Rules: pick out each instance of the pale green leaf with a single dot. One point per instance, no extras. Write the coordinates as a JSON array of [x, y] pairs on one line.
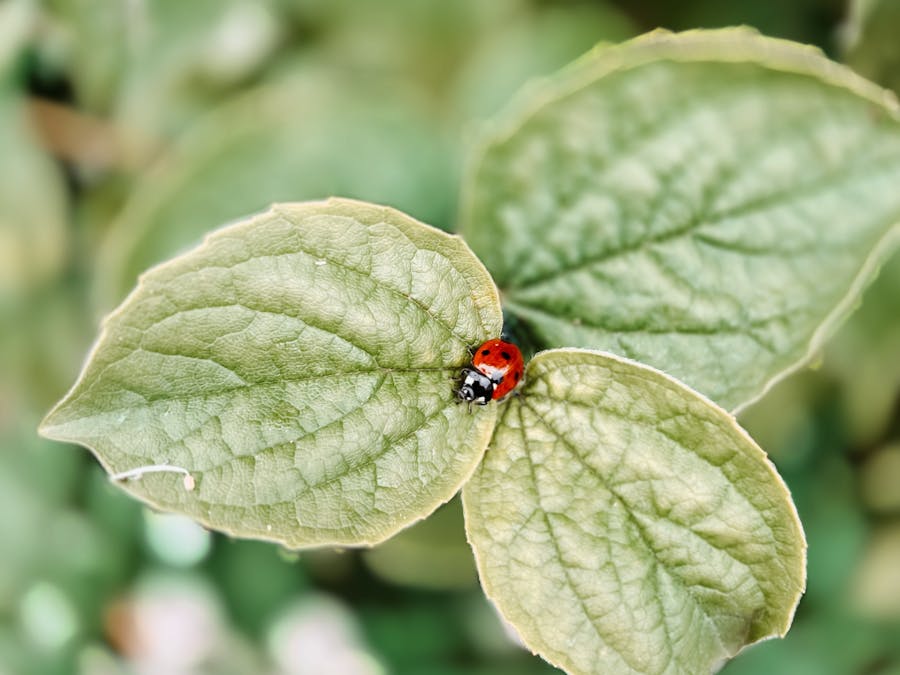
[[300, 367], [709, 203], [625, 524]]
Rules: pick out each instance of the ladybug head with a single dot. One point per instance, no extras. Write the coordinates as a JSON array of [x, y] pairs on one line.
[[476, 387]]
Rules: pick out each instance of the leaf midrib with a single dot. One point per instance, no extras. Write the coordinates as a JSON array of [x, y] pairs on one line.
[[638, 527], [226, 390], [856, 171], [760, 510], [717, 468]]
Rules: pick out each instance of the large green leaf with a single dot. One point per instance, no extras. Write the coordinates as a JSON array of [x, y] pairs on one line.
[[625, 524], [709, 203], [299, 367]]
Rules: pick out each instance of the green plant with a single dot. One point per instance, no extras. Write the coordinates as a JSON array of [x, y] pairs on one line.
[[704, 206]]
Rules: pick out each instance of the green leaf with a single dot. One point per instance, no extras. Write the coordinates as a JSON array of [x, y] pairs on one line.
[[262, 148], [710, 203], [625, 524], [299, 367]]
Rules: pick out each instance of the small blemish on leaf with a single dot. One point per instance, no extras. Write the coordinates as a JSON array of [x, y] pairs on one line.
[[139, 472]]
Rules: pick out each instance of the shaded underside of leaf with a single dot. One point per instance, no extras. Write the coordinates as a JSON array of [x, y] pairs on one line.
[[299, 365], [709, 203], [623, 523]]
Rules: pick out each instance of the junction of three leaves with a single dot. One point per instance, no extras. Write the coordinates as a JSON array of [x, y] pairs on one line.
[[297, 365]]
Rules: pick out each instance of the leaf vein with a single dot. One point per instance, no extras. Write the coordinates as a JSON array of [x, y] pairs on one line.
[[572, 448]]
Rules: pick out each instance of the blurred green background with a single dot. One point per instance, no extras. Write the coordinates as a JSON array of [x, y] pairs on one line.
[[130, 128]]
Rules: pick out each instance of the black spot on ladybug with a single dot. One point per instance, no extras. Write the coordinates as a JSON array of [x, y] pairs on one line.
[[485, 352], [517, 375], [505, 355]]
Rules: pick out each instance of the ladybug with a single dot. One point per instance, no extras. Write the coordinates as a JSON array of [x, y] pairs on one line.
[[496, 370]]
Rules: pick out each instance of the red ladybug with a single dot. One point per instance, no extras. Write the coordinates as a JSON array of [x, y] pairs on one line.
[[496, 369]]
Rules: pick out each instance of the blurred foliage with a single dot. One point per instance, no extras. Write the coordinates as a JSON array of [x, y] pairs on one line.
[[127, 129], [870, 40]]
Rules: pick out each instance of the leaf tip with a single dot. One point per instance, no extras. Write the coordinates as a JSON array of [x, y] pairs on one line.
[[47, 426], [51, 432]]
